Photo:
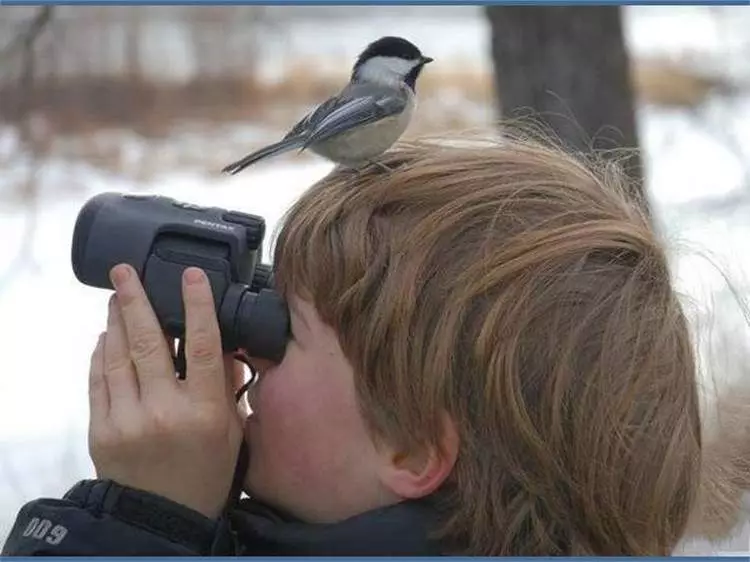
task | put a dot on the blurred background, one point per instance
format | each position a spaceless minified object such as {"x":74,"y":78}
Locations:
{"x":159,"y":99}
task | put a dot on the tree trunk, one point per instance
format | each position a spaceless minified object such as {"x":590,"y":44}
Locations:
{"x":569,"y":66}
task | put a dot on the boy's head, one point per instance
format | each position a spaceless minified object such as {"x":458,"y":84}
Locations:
{"x":492,"y":326}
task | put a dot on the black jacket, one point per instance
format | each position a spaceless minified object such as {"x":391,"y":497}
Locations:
{"x":102,"y":518}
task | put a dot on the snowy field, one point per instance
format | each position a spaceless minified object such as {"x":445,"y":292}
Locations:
{"x":49,"y":322}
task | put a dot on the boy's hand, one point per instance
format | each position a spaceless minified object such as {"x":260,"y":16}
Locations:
{"x":149,"y":430}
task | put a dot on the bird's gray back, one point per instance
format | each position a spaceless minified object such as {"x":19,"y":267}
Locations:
{"x":384,"y":99}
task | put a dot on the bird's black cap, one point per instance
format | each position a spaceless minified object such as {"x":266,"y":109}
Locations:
{"x":390,"y":47}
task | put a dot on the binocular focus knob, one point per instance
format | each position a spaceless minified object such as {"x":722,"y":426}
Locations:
{"x":255,"y":227}
{"x":262,"y":278}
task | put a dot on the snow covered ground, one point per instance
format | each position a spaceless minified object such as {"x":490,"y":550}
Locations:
{"x":49,"y":321}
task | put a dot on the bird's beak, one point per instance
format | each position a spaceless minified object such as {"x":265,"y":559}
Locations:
{"x":426,"y":60}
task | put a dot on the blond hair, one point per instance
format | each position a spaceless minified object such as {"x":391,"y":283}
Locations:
{"x":524,"y":293}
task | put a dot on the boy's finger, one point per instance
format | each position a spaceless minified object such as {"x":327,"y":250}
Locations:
{"x":203,"y":353}
{"x":146,"y":345}
{"x":119,"y":371}
{"x":98,"y":392}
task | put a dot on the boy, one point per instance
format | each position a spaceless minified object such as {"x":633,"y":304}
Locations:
{"x":487,"y":357}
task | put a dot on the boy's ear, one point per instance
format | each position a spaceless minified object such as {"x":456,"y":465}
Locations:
{"x":419,"y":473}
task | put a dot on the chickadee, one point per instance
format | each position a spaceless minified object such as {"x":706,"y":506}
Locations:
{"x":366,"y":117}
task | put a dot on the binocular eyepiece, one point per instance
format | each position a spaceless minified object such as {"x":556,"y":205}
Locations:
{"x":160,"y":237}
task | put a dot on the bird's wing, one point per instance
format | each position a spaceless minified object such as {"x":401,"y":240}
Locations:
{"x":303,"y":126}
{"x":355,"y":107}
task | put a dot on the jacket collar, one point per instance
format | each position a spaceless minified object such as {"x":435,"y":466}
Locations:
{"x":398,"y":530}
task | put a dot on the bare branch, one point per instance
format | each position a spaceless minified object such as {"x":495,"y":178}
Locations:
{"x":37,"y":144}
{"x":25,"y":39}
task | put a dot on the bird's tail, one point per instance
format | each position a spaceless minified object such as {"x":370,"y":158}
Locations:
{"x":280,"y":147}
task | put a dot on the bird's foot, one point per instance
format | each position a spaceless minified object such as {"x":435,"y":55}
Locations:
{"x":362,"y":166}
{"x":380,"y":165}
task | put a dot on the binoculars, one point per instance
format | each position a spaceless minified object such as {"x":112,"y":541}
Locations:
{"x":160,"y":237}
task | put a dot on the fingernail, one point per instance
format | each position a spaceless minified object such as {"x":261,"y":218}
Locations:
{"x":119,"y":274}
{"x":193,"y":275}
